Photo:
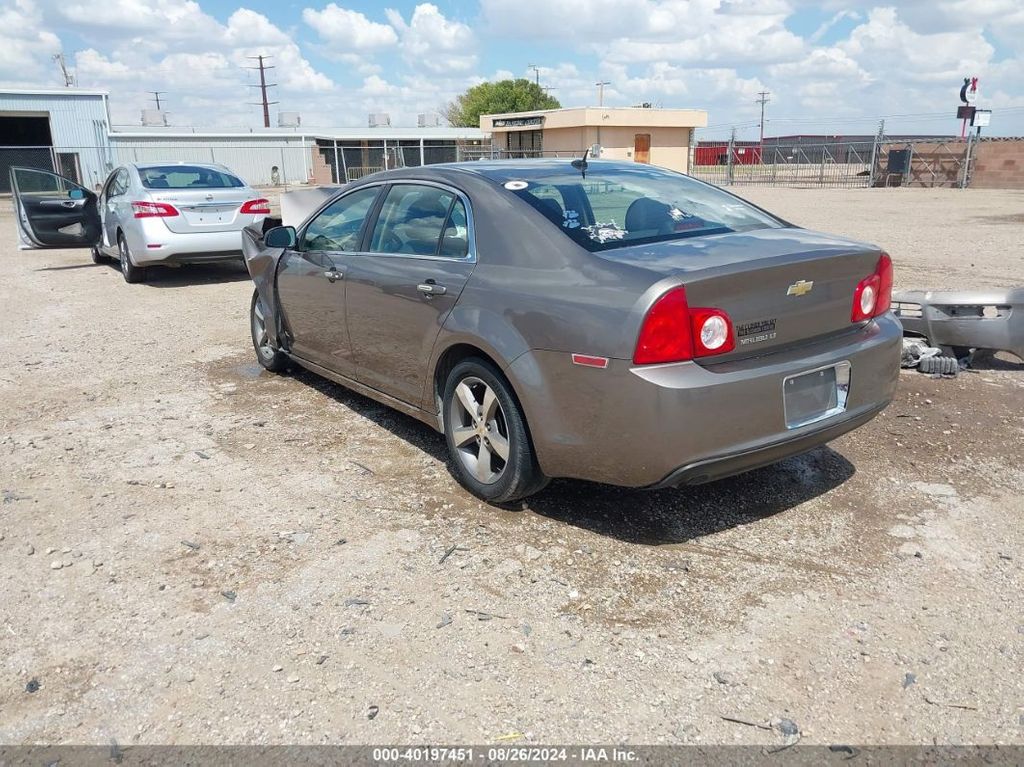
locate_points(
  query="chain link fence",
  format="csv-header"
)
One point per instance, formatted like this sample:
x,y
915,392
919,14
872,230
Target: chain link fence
x,y
838,163
290,162
280,164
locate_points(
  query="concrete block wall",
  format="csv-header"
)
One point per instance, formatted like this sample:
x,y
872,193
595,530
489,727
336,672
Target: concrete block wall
x,y
998,164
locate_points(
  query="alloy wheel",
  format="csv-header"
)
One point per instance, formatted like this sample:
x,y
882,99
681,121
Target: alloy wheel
x,y
122,247
479,430
259,332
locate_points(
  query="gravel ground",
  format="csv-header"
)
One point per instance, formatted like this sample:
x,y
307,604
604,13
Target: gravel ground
x,y
195,551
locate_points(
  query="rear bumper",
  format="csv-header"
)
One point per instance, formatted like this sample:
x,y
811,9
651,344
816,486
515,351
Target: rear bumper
x,y
978,319
719,467
682,423
153,243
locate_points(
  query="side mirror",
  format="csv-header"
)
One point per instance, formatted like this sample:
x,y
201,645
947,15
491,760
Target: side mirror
x,y
76,193
280,237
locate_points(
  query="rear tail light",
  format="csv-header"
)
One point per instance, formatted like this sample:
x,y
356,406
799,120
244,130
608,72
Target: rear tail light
x,y
673,332
143,209
873,295
256,207
712,332
884,270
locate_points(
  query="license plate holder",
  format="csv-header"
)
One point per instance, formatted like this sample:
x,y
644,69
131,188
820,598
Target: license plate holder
x,y
815,394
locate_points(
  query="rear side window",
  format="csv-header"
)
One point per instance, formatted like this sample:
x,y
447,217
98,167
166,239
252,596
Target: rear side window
x,y
616,206
412,220
455,240
187,177
338,226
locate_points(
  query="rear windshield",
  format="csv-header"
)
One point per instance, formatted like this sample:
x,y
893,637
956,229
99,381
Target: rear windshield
x,y
187,177
618,205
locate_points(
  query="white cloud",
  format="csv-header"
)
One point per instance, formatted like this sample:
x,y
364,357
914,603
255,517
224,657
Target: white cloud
x,y
173,21
433,41
178,47
349,29
27,46
375,85
336,64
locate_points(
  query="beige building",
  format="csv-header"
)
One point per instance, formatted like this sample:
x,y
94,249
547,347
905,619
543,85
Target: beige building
x,y
656,136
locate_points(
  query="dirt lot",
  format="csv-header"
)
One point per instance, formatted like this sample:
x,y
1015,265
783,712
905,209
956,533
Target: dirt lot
x,y
194,551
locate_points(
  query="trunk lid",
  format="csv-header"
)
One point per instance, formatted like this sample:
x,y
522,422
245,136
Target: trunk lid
x,y
206,210
781,287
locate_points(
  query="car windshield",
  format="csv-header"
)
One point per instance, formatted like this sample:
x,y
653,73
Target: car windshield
x,y
187,177
617,205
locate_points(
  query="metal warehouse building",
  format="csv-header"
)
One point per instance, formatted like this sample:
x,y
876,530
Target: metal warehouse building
x,y
65,131
69,131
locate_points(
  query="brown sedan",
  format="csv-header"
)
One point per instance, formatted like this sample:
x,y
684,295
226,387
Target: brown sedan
x,y
606,321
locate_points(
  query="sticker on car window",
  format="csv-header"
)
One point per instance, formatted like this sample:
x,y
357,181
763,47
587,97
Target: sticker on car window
x,y
516,186
570,219
608,232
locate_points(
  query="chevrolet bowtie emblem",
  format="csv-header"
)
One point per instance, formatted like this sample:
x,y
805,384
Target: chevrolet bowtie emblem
x,y
800,288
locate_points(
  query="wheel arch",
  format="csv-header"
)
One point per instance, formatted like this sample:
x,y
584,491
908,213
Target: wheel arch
x,y
454,353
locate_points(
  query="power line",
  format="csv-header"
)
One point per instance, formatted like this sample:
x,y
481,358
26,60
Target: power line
x,y
263,87
762,101
809,120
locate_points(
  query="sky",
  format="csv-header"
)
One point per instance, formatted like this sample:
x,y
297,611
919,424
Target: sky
x,y
833,66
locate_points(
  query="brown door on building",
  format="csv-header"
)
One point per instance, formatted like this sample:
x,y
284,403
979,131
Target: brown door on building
x,y
642,147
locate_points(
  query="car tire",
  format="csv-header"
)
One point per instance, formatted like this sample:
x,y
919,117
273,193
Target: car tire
x,y
946,366
474,435
97,255
129,270
270,357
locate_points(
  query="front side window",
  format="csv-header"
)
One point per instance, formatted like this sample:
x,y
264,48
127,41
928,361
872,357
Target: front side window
x,y
187,177
338,226
110,189
119,184
412,220
618,206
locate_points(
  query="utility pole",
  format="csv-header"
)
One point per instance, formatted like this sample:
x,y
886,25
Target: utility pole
x,y
600,92
730,157
263,87
536,73
69,79
762,101
156,97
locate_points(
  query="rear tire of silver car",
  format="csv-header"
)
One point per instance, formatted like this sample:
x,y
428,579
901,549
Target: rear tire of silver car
x,y
129,271
488,442
271,358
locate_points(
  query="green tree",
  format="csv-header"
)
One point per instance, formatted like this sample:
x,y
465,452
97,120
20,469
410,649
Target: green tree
x,y
520,95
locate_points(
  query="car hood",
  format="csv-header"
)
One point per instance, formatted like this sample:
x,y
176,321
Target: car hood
x,y
734,250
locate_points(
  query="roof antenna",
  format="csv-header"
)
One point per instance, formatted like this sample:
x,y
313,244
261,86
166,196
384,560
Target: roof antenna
x,y
581,165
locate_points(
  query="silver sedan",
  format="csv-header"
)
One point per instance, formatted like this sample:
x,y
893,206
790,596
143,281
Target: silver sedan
x,y
145,215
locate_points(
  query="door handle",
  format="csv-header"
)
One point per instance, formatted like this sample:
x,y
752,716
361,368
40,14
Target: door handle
x,y
431,289
334,275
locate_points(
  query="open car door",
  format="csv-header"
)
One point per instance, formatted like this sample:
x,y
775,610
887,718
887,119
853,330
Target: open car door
x,y
52,211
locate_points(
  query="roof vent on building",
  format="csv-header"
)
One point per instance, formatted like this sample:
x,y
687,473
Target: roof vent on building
x,y
153,118
288,120
428,120
380,120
